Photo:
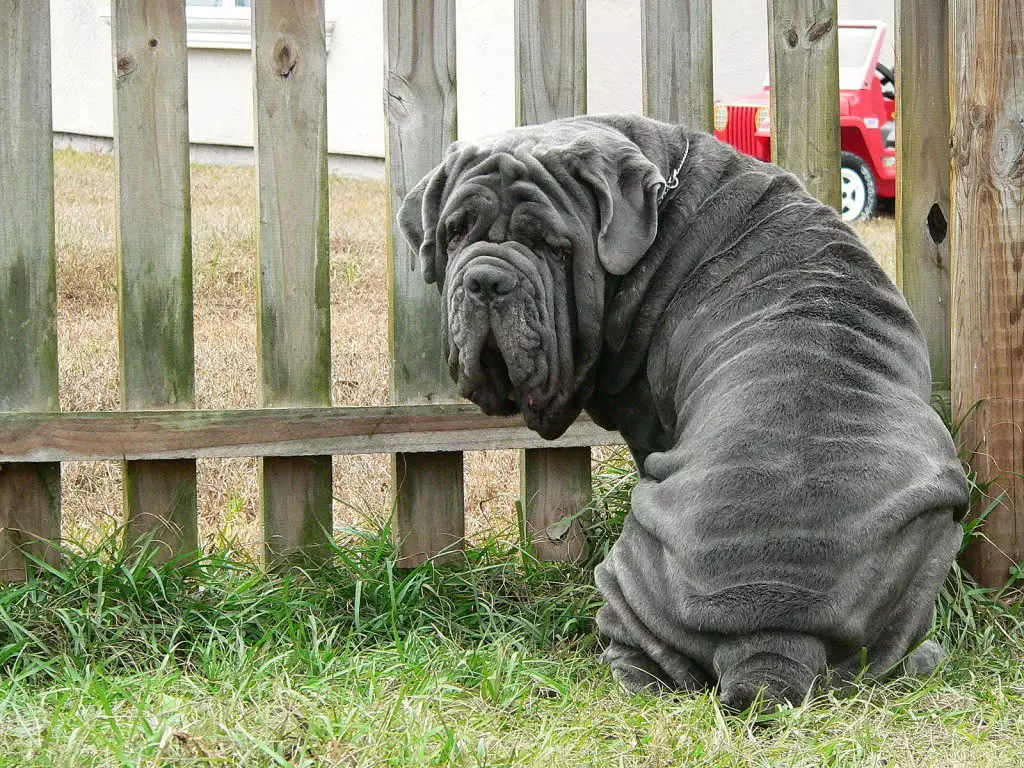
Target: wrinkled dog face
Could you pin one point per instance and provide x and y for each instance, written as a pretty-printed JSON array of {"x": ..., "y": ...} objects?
[{"x": 518, "y": 231}]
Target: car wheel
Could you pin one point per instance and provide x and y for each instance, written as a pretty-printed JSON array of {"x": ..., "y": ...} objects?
[{"x": 859, "y": 196}]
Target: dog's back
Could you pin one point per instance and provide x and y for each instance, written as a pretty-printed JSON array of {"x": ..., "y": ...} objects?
[{"x": 806, "y": 495}]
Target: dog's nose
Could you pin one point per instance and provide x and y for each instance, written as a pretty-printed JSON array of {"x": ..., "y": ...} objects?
[{"x": 486, "y": 281}]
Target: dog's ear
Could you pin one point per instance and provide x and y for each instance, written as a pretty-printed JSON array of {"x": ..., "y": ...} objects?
[
  {"x": 627, "y": 186},
  {"x": 418, "y": 217}
]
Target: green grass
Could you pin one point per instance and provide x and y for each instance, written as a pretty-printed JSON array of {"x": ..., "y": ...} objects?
[{"x": 114, "y": 661}]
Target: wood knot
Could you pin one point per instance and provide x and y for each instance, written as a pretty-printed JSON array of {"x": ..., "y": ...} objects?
[
  {"x": 153, "y": 42},
  {"x": 792, "y": 38},
  {"x": 285, "y": 57},
  {"x": 399, "y": 101},
  {"x": 819, "y": 29},
  {"x": 125, "y": 64},
  {"x": 978, "y": 115},
  {"x": 937, "y": 225},
  {"x": 1008, "y": 151}
]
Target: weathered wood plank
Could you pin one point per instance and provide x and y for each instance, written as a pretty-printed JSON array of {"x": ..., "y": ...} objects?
[
  {"x": 296, "y": 487},
  {"x": 427, "y": 490},
  {"x": 987, "y": 231},
  {"x": 30, "y": 495},
  {"x": 677, "y": 62},
  {"x": 153, "y": 435},
  {"x": 551, "y": 82},
  {"x": 922, "y": 149},
  {"x": 29, "y": 516},
  {"x": 555, "y": 488},
  {"x": 551, "y": 59},
  {"x": 803, "y": 58},
  {"x": 290, "y": 67},
  {"x": 430, "y": 519},
  {"x": 160, "y": 497},
  {"x": 154, "y": 248}
]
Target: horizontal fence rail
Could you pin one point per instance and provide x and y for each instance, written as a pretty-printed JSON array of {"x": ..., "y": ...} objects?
[{"x": 147, "y": 435}]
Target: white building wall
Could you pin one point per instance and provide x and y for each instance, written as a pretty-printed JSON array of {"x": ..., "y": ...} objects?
[{"x": 220, "y": 86}]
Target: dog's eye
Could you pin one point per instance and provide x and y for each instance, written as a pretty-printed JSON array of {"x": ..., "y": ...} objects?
[
  {"x": 563, "y": 253},
  {"x": 457, "y": 232}
]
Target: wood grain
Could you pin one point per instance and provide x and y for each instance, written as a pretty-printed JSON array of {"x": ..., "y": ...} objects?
[
  {"x": 988, "y": 266},
  {"x": 30, "y": 495},
  {"x": 294, "y": 348},
  {"x": 154, "y": 249},
  {"x": 922, "y": 167},
  {"x": 427, "y": 490},
  {"x": 429, "y": 521},
  {"x": 153, "y": 435},
  {"x": 555, "y": 490},
  {"x": 677, "y": 62},
  {"x": 551, "y": 59},
  {"x": 803, "y": 58},
  {"x": 551, "y": 82}
]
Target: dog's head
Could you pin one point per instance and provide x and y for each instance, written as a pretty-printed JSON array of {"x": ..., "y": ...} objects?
[{"x": 519, "y": 231}]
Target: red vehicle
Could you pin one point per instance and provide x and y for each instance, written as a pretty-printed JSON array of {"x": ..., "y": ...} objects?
[{"x": 867, "y": 119}]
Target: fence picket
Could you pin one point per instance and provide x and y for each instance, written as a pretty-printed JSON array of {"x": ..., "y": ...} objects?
[
  {"x": 290, "y": 71},
  {"x": 676, "y": 42},
  {"x": 551, "y": 82},
  {"x": 427, "y": 488},
  {"x": 29, "y": 494},
  {"x": 154, "y": 247},
  {"x": 987, "y": 232},
  {"x": 922, "y": 146},
  {"x": 803, "y": 58}
]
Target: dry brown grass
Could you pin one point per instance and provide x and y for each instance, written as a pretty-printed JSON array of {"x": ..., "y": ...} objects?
[{"x": 224, "y": 256}]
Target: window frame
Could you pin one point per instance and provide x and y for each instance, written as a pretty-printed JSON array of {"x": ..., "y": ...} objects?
[
  {"x": 227, "y": 27},
  {"x": 221, "y": 27}
]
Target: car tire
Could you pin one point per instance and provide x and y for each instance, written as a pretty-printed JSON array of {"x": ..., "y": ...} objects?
[{"x": 859, "y": 192}]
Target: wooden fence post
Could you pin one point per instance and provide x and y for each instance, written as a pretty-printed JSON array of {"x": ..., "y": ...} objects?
[
  {"x": 988, "y": 266},
  {"x": 676, "y": 42},
  {"x": 551, "y": 82},
  {"x": 803, "y": 57},
  {"x": 29, "y": 493},
  {"x": 290, "y": 73},
  {"x": 154, "y": 248},
  {"x": 922, "y": 149},
  {"x": 427, "y": 488}
]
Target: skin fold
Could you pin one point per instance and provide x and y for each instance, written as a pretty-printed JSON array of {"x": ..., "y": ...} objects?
[{"x": 799, "y": 500}]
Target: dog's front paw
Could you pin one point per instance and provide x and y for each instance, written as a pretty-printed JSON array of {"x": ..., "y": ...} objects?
[{"x": 923, "y": 660}]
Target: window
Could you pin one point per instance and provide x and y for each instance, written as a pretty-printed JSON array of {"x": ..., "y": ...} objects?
[{"x": 221, "y": 23}]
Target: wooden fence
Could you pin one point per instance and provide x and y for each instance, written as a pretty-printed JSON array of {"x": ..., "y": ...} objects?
[{"x": 160, "y": 434}]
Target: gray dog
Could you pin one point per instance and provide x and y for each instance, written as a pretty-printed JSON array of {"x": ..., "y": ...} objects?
[{"x": 799, "y": 499}]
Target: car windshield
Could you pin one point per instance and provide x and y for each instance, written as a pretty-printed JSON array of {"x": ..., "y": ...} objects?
[{"x": 856, "y": 45}]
